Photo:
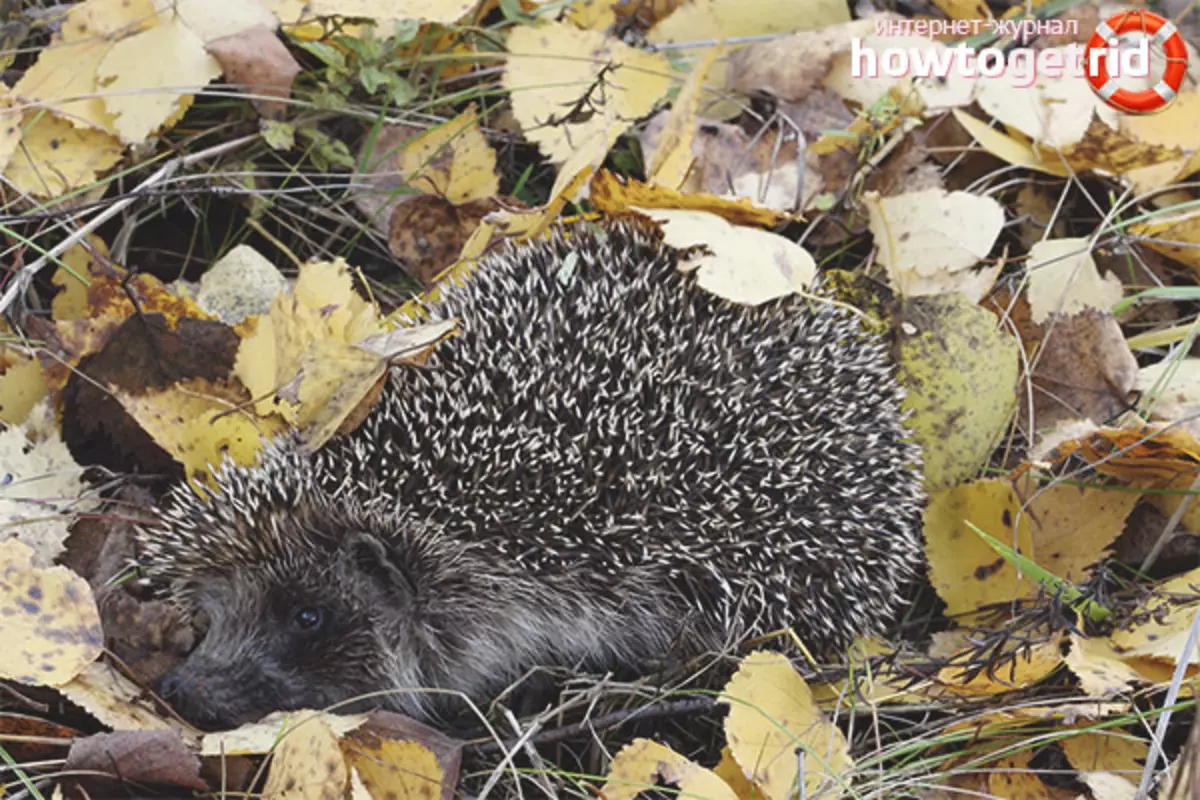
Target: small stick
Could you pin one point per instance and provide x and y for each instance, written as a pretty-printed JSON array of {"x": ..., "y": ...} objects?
[{"x": 24, "y": 277}]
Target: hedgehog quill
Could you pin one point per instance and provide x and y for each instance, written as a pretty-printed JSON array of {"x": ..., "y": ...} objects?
[{"x": 607, "y": 464}]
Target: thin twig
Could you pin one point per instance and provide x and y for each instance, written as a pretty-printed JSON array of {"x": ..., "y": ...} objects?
[
  {"x": 1160, "y": 730},
  {"x": 687, "y": 705},
  {"x": 1169, "y": 531},
  {"x": 25, "y": 276}
]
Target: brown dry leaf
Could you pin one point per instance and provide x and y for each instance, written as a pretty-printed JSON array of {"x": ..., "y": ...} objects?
[
  {"x": 308, "y": 763},
  {"x": 1082, "y": 368},
  {"x": 614, "y": 195},
  {"x": 386, "y": 188},
  {"x": 728, "y": 162},
  {"x": 772, "y": 714},
  {"x": 930, "y": 240},
  {"x": 144, "y": 355},
  {"x": 156, "y": 757},
  {"x": 745, "y": 265},
  {"x": 52, "y": 627},
  {"x": 428, "y": 233},
  {"x": 671, "y": 162},
  {"x": 1152, "y": 455},
  {"x": 200, "y": 424},
  {"x": 907, "y": 169},
  {"x": 1117, "y": 151},
  {"x": 55, "y": 157},
  {"x": 1020, "y": 669},
  {"x": 1063, "y": 278},
  {"x": 260, "y": 64},
  {"x": 1036, "y": 207},
  {"x": 1064, "y": 529},
  {"x": 794, "y": 66},
  {"x": 640, "y": 765},
  {"x": 494, "y": 228},
  {"x": 576, "y": 90}
]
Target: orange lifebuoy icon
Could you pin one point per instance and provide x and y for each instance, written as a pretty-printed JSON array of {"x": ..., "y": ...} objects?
[{"x": 1162, "y": 32}]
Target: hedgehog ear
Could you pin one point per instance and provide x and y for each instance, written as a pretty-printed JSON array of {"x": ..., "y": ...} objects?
[{"x": 370, "y": 555}]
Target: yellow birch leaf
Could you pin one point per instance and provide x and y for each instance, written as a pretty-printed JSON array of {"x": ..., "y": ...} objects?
[
  {"x": 1064, "y": 529},
  {"x": 639, "y": 765},
  {"x": 198, "y": 423},
  {"x": 426, "y": 10},
  {"x": 1169, "y": 617},
  {"x": 570, "y": 86},
  {"x": 149, "y": 78},
  {"x": 772, "y": 715},
  {"x": 55, "y": 157},
  {"x": 63, "y": 78},
  {"x": 453, "y": 160},
  {"x": 51, "y": 625},
  {"x": 672, "y": 160},
  {"x": 1006, "y": 148},
  {"x": 394, "y": 768},
  {"x": 308, "y": 763}
]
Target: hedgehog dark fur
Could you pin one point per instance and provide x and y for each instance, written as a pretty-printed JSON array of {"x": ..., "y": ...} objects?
[{"x": 607, "y": 464}]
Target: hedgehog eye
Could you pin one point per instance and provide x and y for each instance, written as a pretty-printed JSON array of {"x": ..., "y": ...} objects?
[{"x": 309, "y": 618}]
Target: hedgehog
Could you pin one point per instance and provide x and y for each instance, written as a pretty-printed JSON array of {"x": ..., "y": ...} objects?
[{"x": 605, "y": 466}]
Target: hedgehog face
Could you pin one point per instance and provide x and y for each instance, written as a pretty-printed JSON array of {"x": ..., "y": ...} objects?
[{"x": 304, "y": 635}]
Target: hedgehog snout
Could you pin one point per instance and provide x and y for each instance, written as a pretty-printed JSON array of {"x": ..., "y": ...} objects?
[
  {"x": 214, "y": 695},
  {"x": 202, "y": 696}
]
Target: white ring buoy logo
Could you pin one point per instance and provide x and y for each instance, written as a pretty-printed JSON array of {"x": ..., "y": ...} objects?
[{"x": 1162, "y": 33}]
